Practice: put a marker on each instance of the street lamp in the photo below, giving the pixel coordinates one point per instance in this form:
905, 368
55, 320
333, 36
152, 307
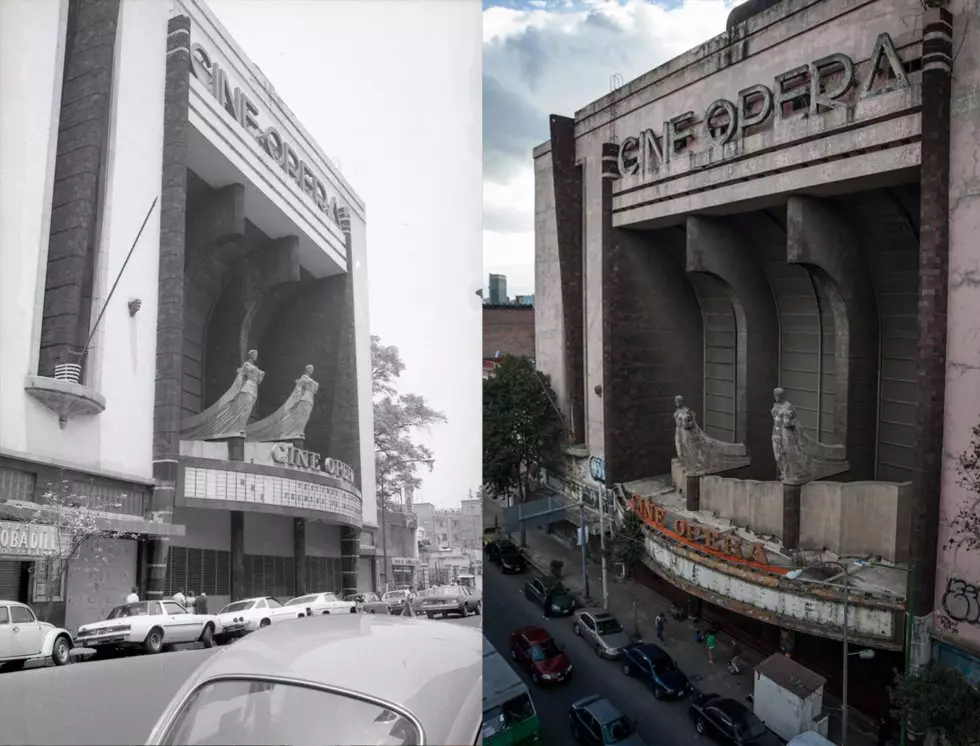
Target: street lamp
862, 654
384, 510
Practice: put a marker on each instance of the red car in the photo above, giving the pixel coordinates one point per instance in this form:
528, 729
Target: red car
535, 649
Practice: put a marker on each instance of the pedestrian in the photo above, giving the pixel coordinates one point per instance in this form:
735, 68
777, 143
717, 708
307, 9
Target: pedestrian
201, 607
711, 641
660, 623
191, 601
134, 596
180, 598
736, 653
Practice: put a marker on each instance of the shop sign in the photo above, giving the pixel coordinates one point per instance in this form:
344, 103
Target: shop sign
28, 540
703, 538
724, 121
404, 562
296, 458
244, 111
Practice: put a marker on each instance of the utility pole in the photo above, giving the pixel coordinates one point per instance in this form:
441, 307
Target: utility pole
602, 545
584, 540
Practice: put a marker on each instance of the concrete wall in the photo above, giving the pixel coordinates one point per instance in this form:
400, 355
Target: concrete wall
269, 535
122, 362
322, 539
958, 573
99, 579
757, 505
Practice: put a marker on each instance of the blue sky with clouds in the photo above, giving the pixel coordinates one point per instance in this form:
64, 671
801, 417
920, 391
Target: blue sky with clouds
543, 57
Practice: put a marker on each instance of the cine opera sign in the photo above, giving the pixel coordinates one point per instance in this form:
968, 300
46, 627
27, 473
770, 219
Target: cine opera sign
288, 455
724, 120
237, 103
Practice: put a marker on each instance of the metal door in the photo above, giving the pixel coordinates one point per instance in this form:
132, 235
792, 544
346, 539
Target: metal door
10, 580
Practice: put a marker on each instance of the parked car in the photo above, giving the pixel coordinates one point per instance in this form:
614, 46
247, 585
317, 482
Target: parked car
656, 669
147, 625
536, 651
23, 638
368, 603
729, 721
317, 682
396, 600
451, 599
507, 556
322, 603
548, 593
602, 631
596, 721
239, 618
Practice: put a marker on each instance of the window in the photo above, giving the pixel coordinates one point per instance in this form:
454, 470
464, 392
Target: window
618, 730
251, 712
609, 626
21, 615
4, 615
261, 604
587, 621
172, 607
49, 580
273, 604
154, 608
203, 570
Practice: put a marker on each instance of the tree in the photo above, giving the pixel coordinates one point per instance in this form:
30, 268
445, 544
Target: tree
938, 700
396, 418
628, 542
80, 522
522, 427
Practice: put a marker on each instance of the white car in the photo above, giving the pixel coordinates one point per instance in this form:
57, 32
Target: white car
23, 638
241, 617
322, 603
148, 625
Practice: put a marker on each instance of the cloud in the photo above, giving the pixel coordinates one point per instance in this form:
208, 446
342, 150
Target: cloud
543, 57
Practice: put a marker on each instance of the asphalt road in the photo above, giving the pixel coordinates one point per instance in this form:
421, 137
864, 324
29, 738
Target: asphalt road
505, 609
111, 702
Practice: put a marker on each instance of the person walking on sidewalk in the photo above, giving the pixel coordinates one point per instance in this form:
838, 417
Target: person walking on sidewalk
660, 623
712, 643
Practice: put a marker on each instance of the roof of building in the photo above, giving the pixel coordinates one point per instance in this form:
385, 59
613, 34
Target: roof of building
790, 675
743, 12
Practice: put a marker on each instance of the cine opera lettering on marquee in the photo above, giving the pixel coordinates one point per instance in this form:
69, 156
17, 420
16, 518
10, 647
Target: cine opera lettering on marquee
724, 121
288, 455
237, 103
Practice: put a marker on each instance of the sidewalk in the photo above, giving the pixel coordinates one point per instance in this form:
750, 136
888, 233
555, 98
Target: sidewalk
691, 656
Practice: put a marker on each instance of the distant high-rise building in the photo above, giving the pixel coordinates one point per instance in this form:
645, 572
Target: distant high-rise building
524, 300
498, 290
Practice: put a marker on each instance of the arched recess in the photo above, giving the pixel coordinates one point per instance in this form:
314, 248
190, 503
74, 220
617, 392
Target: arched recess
820, 239
719, 404
715, 249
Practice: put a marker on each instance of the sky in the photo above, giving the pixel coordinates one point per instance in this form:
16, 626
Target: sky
391, 90
543, 57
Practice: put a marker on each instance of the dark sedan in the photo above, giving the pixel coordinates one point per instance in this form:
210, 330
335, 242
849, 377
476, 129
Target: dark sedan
507, 556
598, 722
548, 593
656, 669
729, 721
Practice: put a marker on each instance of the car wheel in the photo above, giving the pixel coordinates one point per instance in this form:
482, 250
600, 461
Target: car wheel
207, 636
371, 611
627, 669
464, 611
658, 693
576, 629
61, 652
476, 609
699, 726
153, 642
353, 609
265, 623
11, 666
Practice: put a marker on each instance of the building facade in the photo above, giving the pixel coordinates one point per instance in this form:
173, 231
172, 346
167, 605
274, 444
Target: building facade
752, 298
175, 254
508, 329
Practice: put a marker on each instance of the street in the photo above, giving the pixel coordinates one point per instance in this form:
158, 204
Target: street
107, 702
505, 609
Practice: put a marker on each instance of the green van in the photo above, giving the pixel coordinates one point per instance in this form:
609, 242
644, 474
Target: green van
509, 717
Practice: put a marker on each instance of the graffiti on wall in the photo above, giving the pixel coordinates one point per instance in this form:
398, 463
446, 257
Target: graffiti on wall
961, 605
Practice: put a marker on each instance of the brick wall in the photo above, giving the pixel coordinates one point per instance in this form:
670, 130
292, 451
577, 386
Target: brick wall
508, 330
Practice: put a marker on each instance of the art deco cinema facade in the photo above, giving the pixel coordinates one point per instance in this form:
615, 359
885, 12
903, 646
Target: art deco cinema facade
216, 404
779, 227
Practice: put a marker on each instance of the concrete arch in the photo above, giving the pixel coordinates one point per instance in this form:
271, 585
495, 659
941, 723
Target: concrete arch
820, 239
714, 248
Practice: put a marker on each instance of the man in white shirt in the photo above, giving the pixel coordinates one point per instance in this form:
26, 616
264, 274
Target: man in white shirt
133, 597
179, 597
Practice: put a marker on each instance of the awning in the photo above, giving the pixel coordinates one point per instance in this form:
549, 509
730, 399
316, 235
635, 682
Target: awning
111, 523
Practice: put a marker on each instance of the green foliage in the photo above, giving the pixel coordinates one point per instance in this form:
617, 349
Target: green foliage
628, 542
941, 700
396, 418
521, 425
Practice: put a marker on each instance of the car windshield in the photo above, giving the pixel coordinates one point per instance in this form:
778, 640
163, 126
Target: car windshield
302, 600
238, 606
618, 730
608, 626
544, 651
252, 712
749, 726
139, 609
662, 665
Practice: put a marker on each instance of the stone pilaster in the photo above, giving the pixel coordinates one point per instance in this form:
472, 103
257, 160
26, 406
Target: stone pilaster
237, 555
350, 555
299, 555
